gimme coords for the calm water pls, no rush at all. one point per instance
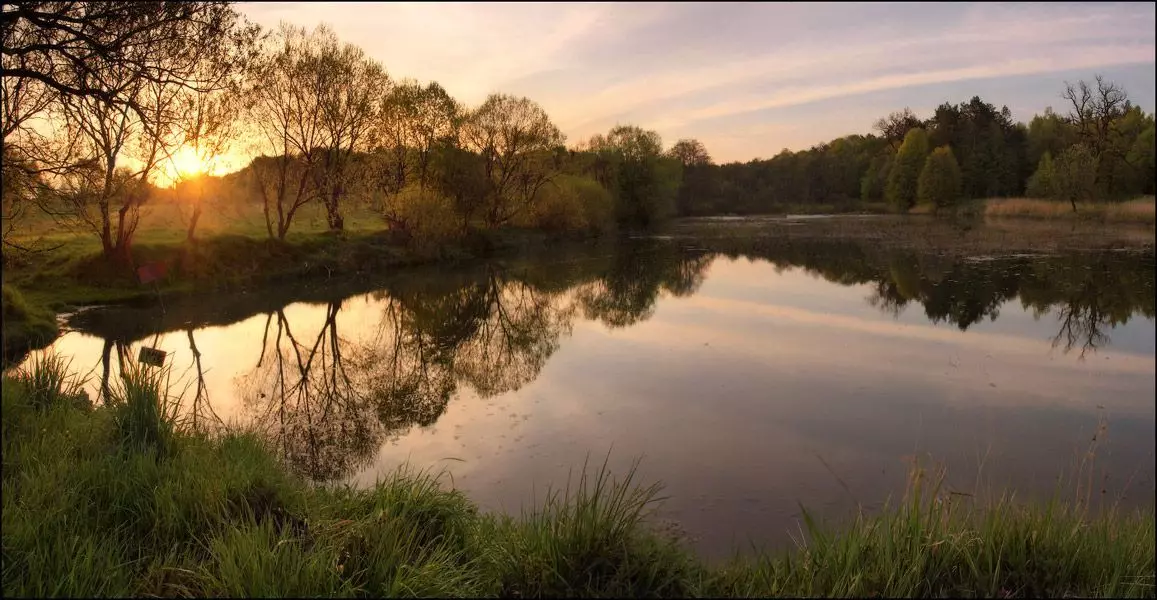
(750, 382)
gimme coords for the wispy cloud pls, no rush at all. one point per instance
(725, 72)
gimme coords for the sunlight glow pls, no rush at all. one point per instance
(186, 164)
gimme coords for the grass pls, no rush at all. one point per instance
(25, 324)
(232, 252)
(1141, 210)
(94, 506)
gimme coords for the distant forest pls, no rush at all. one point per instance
(103, 98)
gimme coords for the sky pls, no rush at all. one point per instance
(747, 79)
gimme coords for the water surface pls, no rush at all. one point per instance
(750, 381)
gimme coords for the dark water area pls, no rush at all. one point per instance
(750, 378)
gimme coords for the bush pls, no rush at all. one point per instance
(570, 203)
(424, 216)
(939, 183)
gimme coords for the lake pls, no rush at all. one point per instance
(751, 378)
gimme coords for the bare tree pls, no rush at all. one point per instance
(897, 125)
(110, 133)
(285, 112)
(516, 140)
(103, 75)
(348, 109)
(690, 153)
(1094, 111)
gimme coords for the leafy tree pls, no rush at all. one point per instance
(939, 182)
(1042, 184)
(875, 179)
(1076, 173)
(1049, 133)
(902, 179)
(348, 84)
(1141, 158)
(643, 181)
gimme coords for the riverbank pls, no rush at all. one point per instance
(76, 275)
(124, 500)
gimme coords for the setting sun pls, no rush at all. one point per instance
(187, 164)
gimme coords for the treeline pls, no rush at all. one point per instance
(134, 92)
(103, 100)
(1103, 149)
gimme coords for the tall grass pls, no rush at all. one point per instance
(89, 511)
(47, 380)
(1140, 210)
(145, 412)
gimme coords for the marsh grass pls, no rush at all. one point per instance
(1141, 210)
(89, 510)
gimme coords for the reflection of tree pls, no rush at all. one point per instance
(311, 408)
(1088, 292)
(510, 345)
(627, 293)
(200, 406)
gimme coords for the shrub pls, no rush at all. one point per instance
(570, 203)
(424, 216)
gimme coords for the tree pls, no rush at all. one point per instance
(1076, 172)
(1096, 115)
(895, 127)
(1042, 184)
(106, 75)
(349, 84)
(1141, 157)
(415, 130)
(516, 140)
(107, 134)
(689, 153)
(643, 181)
(286, 111)
(207, 124)
(875, 179)
(1094, 111)
(1051, 133)
(939, 182)
(902, 178)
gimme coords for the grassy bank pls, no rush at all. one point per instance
(1140, 210)
(228, 258)
(121, 500)
(25, 324)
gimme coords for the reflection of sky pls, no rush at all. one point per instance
(734, 395)
(737, 396)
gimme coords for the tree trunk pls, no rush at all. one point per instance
(193, 223)
(333, 214)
